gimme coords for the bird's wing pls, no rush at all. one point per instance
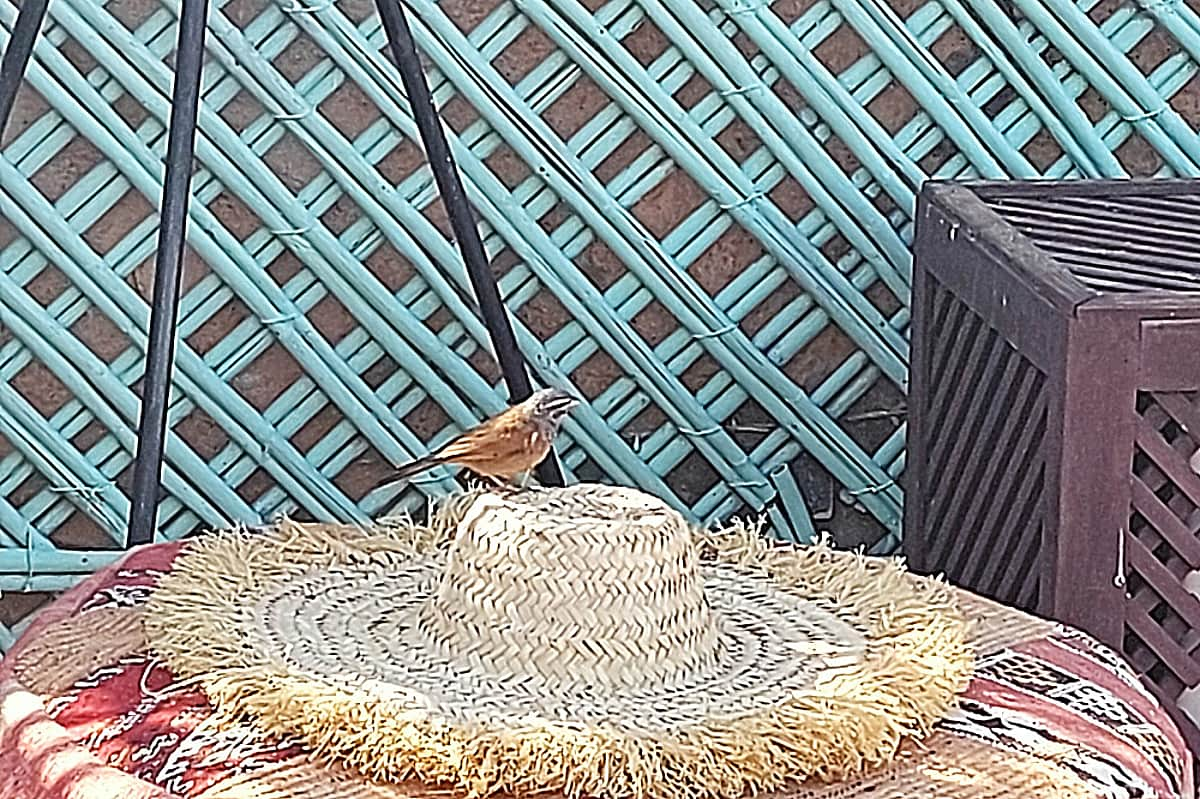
(482, 438)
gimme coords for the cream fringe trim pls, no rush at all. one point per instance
(918, 661)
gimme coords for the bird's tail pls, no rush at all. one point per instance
(409, 469)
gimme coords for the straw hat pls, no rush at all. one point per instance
(585, 640)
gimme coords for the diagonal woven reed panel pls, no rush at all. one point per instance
(700, 213)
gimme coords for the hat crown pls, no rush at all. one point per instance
(590, 585)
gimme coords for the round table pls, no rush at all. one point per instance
(86, 711)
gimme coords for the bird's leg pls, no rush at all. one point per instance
(512, 485)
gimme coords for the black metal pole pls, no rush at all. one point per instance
(168, 264)
(462, 220)
(16, 55)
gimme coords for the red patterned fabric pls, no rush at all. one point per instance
(38, 758)
(1060, 696)
(131, 718)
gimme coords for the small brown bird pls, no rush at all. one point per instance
(513, 441)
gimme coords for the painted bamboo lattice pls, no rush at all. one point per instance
(700, 212)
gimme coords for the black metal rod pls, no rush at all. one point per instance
(462, 220)
(16, 55)
(168, 266)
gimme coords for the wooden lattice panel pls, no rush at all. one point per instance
(700, 214)
(1044, 305)
(1162, 547)
(986, 416)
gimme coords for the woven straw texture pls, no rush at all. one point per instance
(583, 640)
(699, 212)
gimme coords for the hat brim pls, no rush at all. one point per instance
(303, 628)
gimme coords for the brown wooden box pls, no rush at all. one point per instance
(1054, 411)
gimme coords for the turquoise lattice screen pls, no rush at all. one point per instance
(700, 212)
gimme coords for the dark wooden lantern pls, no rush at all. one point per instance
(1054, 412)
